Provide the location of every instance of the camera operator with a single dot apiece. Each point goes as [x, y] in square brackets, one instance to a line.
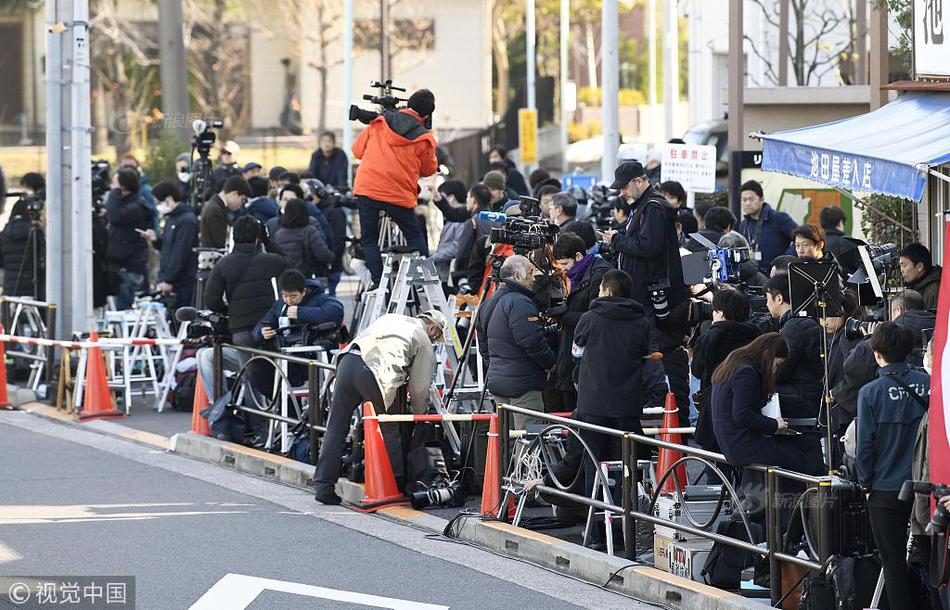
[890, 409]
[214, 214]
[240, 286]
[396, 150]
[179, 261]
[34, 184]
[129, 218]
[328, 163]
[741, 387]
[500, 198]
[719, 222]
[227, 165]
[563, 208]
[511, 337]
[545, 196]
[21, 238]
[585, 272]
[647, 243]
[729, 330]
[749, 274]
[920, 274]
[450, 198]
[183, 174]
[799, 378]
[844, 248]
[392, 352]
[907, 311]
[472, 248]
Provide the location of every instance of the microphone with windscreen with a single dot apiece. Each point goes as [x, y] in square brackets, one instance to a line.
[186, 314]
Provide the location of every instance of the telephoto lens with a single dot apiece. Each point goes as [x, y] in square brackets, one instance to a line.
[449, 495]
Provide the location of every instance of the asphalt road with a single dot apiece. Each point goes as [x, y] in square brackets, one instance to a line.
[78, 502]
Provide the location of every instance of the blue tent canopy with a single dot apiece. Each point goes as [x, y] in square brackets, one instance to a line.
[887, 151]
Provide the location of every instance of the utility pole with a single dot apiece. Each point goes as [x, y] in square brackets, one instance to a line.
[736, 102]
[69, 184]
[651, 67]
[173, 67]
[530, 33]
[609, 76]
[384, 53]
[671, 66]
[564, 49]
[347, 79]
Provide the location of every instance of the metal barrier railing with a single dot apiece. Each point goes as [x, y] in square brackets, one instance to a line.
[630, 481]
[17, 310]
[316, 372]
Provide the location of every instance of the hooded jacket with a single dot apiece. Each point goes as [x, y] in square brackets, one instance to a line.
[317, 307]
[126, 215]
[929, 287]
[711, 349]
[611, 340]
[511, 336]
[16, 253]
[179, 261]
[396, 150]
[649, 249]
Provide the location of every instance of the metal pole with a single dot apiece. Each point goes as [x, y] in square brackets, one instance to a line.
[384, 55]
[736, 84]
[564, 49]
[651, 72]
[347, 79]
[80, 297]
[879, 56]
[773, 533]
[629, 464]
[218, 373]
[173, 67]
[609, 76]
[530, 33]
[50, 351]
[861, 42]
[54, 156]
[671, 66]
[503, 449]
[314, 415]
[783, 43]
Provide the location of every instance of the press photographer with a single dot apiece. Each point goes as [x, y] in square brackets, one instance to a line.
[396, 149]
[129, 218]
[23, 250]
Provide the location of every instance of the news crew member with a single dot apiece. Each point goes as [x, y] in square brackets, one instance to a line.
[396, 149]
[889, 412]
[301, 301]
[647, 243]
[393, 351]
[179, 261]
[129, 217]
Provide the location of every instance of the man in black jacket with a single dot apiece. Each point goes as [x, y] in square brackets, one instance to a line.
[129, 218]
[842, 247]
[800, 378]
[585, 272]
[511, 337]
[920, 274]
[647, 243]
[214, 213]
[328, 163]
[245, 277]
[611, 341]
[179, 261]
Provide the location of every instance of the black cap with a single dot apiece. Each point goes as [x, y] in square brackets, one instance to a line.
[625, 172]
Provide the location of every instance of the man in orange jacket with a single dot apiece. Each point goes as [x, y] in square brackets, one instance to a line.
[396, 150]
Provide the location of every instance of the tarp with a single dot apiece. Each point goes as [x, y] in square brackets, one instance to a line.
[886, 151]
[939, 441]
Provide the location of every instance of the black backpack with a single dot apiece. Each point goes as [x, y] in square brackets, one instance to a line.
[725, 563]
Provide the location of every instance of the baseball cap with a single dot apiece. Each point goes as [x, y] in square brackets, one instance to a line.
[252, 165]
[625, 172]
[436, 317]
[232, 147]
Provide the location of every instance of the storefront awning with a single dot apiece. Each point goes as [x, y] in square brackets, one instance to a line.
[887, 151]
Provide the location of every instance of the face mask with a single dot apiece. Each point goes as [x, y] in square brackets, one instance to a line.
[164, 208]
[184, 176]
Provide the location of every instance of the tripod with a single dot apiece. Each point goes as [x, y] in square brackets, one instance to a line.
[33, 247]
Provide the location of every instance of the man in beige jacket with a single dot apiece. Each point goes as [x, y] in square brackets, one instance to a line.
[393, 351]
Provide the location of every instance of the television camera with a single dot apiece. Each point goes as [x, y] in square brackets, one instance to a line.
[101, 182]
[720, 266]
[204, 138]
[207, 326]
[386, 101]
[523, 233]
[343, 197]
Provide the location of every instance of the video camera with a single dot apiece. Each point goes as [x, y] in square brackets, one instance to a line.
[293, 333]
[523, 233]
[204, 138]
[210, 324]
[101, 181]
[385, 100]
[34, 203]
[321, 191]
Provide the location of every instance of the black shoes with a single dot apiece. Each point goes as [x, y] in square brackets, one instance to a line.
[328, 497]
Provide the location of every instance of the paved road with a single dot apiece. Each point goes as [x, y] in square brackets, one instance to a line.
[78, 502]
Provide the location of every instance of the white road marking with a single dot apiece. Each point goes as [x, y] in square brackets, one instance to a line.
[8, 554]
[20, 514]
[237, 591]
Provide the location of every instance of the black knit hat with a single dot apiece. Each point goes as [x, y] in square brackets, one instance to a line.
[423, 102]
[454, 187]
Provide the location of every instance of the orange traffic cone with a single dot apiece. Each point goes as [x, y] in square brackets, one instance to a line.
[199, 425]
[4, 399]
[380, 487]
[491, 500]
[668, 456]
[97, 402]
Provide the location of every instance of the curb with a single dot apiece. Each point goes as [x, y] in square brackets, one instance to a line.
[645, 582]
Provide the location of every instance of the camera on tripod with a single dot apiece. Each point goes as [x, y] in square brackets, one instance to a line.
[524, 233]
[207, 324]
[101, 181]
[385, 100]
[204, 138]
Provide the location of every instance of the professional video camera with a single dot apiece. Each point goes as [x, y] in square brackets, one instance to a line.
[940, 518]
[293, 333]
[342, 197]
[526, 232]
[883, 257]
[101, 181]
[207, 325]
[204, 138]
[601, 200]
[34, 203]
[385, 100]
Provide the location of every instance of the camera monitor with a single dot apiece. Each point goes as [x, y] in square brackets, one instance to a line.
[810, 282]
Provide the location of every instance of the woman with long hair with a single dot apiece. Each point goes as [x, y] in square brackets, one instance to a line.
[741, 387]
[301, 241]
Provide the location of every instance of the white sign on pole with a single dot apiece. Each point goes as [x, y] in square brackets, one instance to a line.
[692, 165]
[931, 47]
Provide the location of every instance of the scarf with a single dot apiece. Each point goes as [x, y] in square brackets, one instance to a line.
[576, 272]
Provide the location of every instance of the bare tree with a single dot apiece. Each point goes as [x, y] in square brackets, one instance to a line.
[811, 53]
[507, 22]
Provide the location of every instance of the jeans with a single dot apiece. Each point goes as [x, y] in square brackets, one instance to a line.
[333, 280]
[355, 384]
[405, 219]
[130, 283]
[889, 521]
